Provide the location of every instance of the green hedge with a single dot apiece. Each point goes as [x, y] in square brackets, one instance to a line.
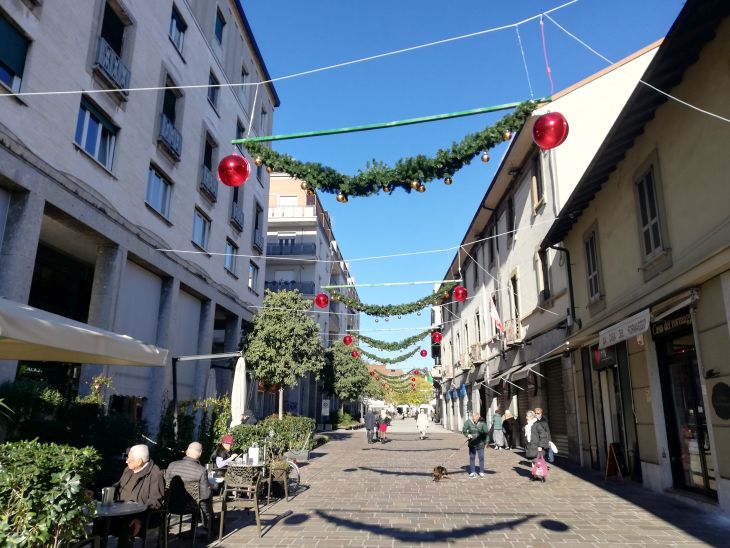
[42, 500]
[283, 435]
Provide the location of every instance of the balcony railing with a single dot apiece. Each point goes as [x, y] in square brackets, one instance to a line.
[291, 211]
[236, 216]
[208, 183]
[258, 240]
[170, 136]
[305, 288]
[111, 65]
[292, 249]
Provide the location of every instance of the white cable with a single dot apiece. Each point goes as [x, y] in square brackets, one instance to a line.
[253, 110]
[647, 84]
[524, 62]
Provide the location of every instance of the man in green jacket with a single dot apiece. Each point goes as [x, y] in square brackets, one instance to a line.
[475, 430]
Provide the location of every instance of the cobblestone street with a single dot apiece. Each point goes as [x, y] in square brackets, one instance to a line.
[382, 495]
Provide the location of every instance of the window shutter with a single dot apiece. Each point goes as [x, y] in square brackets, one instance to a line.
[13, 47]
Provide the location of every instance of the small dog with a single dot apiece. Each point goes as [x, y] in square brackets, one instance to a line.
[439, 473]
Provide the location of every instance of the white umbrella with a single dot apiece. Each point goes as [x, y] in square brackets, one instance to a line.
[238, 393]
[210, 387]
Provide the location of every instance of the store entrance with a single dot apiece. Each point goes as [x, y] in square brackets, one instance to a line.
[689, 444]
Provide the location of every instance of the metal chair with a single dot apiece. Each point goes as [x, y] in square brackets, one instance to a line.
[183, 498]
[242, 484]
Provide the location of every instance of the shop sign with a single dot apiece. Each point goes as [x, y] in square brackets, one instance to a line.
[630, 327]
[670, 325]
[325, 408]
[604, 358]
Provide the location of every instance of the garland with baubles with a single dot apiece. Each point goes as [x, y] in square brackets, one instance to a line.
[397, 359]
[393, 346]
[386, 310]
[408, 173]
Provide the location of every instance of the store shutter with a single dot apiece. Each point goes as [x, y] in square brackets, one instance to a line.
[523, 404]
[555, 411]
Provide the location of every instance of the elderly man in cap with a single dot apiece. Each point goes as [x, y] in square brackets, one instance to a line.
[190, 469]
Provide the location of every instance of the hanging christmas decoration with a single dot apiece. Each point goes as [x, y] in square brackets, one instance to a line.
[321, 300]
[377, 378]
[416, 372]
[233, 170]
[397, 359]
[415, 184]
[424, 353]
[485, 157]
[392, 346]
[372, 373]
[376, 175]
[355, 354]
[421, 188]
[347, 339]
[413, 379]
[393, 310]
[342, 198]
[550, 130]
[448, 180]
[460, 293]
[258, 161]
[436, 337]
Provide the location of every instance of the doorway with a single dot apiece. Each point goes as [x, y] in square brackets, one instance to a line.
[691, 458]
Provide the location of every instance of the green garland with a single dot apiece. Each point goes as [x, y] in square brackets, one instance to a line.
[392, 346]
[397, 359]
[384, 310]
[378, 176]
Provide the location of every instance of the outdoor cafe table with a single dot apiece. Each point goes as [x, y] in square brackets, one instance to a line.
[115, 510]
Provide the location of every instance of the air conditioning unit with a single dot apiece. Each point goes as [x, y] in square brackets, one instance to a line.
[513, 333]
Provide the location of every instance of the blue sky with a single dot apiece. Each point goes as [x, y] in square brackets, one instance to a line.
[295, 36]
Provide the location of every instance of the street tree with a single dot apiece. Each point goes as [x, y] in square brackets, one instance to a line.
[284, 344]
[348, 376]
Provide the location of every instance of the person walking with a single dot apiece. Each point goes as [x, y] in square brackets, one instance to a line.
[509, 429]
[422, 423]
[497, 433]
[370, 420]
[383, 426]
[549, 454]
[475, 430]
[537, 434]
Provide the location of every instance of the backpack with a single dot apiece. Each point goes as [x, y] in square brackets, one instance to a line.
[540, 468]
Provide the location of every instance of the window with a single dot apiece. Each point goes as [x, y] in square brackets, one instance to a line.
[201, 229]
[492, 242]
[231, 257]
[220, 24]
[264, 122]
[475, 272]
[515, 299]
[253, 276]
[478, 326]
[258, 227]
[543, 276]
[495, 329]
[159, 192]
[467, 341]
[245, 79]
[240, 134]
[592, 270]
[538, 189]
[13, 50]
[208, 153]
[177, 29]
[96, 134]
[169, 102]
[112, 29]
[213, 90]
[510, 219]
[649, 221]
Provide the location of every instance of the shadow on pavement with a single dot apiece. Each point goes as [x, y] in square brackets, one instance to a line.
[412, 536]
[395, 472]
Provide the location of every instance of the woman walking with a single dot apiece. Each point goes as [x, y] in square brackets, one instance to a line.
[497, 433]
[383, 426]
[509, 429]
[537, 435]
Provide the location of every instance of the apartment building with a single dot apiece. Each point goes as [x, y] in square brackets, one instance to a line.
[110, 210]
[504, 346]
[648, 230]
[302, 254]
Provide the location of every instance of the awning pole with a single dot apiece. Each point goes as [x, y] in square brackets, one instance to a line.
[174, 396]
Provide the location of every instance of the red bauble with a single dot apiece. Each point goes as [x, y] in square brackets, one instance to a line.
[233, 170]
[321, 300]
[424, 353]
[347, 339]
[436, 337]
[413, 379]
[413, 388]
[417, 372]
[460, 293]
[372, 373]
[550, 130]
[377, 378]
[355, 354]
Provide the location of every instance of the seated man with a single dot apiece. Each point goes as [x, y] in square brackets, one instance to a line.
[141, 481]
[248, 418]
[190, 469]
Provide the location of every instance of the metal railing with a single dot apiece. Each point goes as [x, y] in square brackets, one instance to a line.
[111, 65]
[258, 240]
[291, 249]
[208, 183]
[170, 136]
[305, 288]
[291, 211]
[236, 216]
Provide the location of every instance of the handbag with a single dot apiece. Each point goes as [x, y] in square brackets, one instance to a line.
[553, 448]
[540, 469]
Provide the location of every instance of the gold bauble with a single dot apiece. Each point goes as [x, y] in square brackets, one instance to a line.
[341, 198]
[310, 192]
[304, 186]
[269, 169]
[421, 188]
[258, 161]
[485, 157]
[415, 184]
[448, 180]
[386, 189]
[507, 135]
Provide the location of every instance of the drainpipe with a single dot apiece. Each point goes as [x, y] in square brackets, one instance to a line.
[571, 312]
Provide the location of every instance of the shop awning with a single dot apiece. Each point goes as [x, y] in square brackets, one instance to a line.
[625, 329]
[506, 374]
[27, 333]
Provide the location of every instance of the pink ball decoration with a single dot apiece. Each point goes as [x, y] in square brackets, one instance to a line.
[347, 339]
[550, 130]
[355, 353]
[436, 337]
[233, 170]
[460, 293]
[424, 353]
[321, 300]
[417, 372]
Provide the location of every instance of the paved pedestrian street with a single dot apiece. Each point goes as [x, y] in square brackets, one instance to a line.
[383, 495]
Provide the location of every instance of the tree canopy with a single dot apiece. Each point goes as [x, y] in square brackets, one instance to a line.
[346, 376]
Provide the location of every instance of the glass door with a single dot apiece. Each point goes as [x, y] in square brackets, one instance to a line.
[692, 464]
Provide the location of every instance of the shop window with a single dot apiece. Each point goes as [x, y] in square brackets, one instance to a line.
[13, 51]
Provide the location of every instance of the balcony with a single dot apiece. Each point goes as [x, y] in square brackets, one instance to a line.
[170, 136]
[258, 241]
[208, 184]
[305, 288]
[292, 212]
[237, 216]
[110, 66]
[292, 249]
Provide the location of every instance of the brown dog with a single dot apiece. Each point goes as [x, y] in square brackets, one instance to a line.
[440, 473]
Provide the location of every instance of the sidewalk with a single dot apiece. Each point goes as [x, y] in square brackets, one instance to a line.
[383, 495]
